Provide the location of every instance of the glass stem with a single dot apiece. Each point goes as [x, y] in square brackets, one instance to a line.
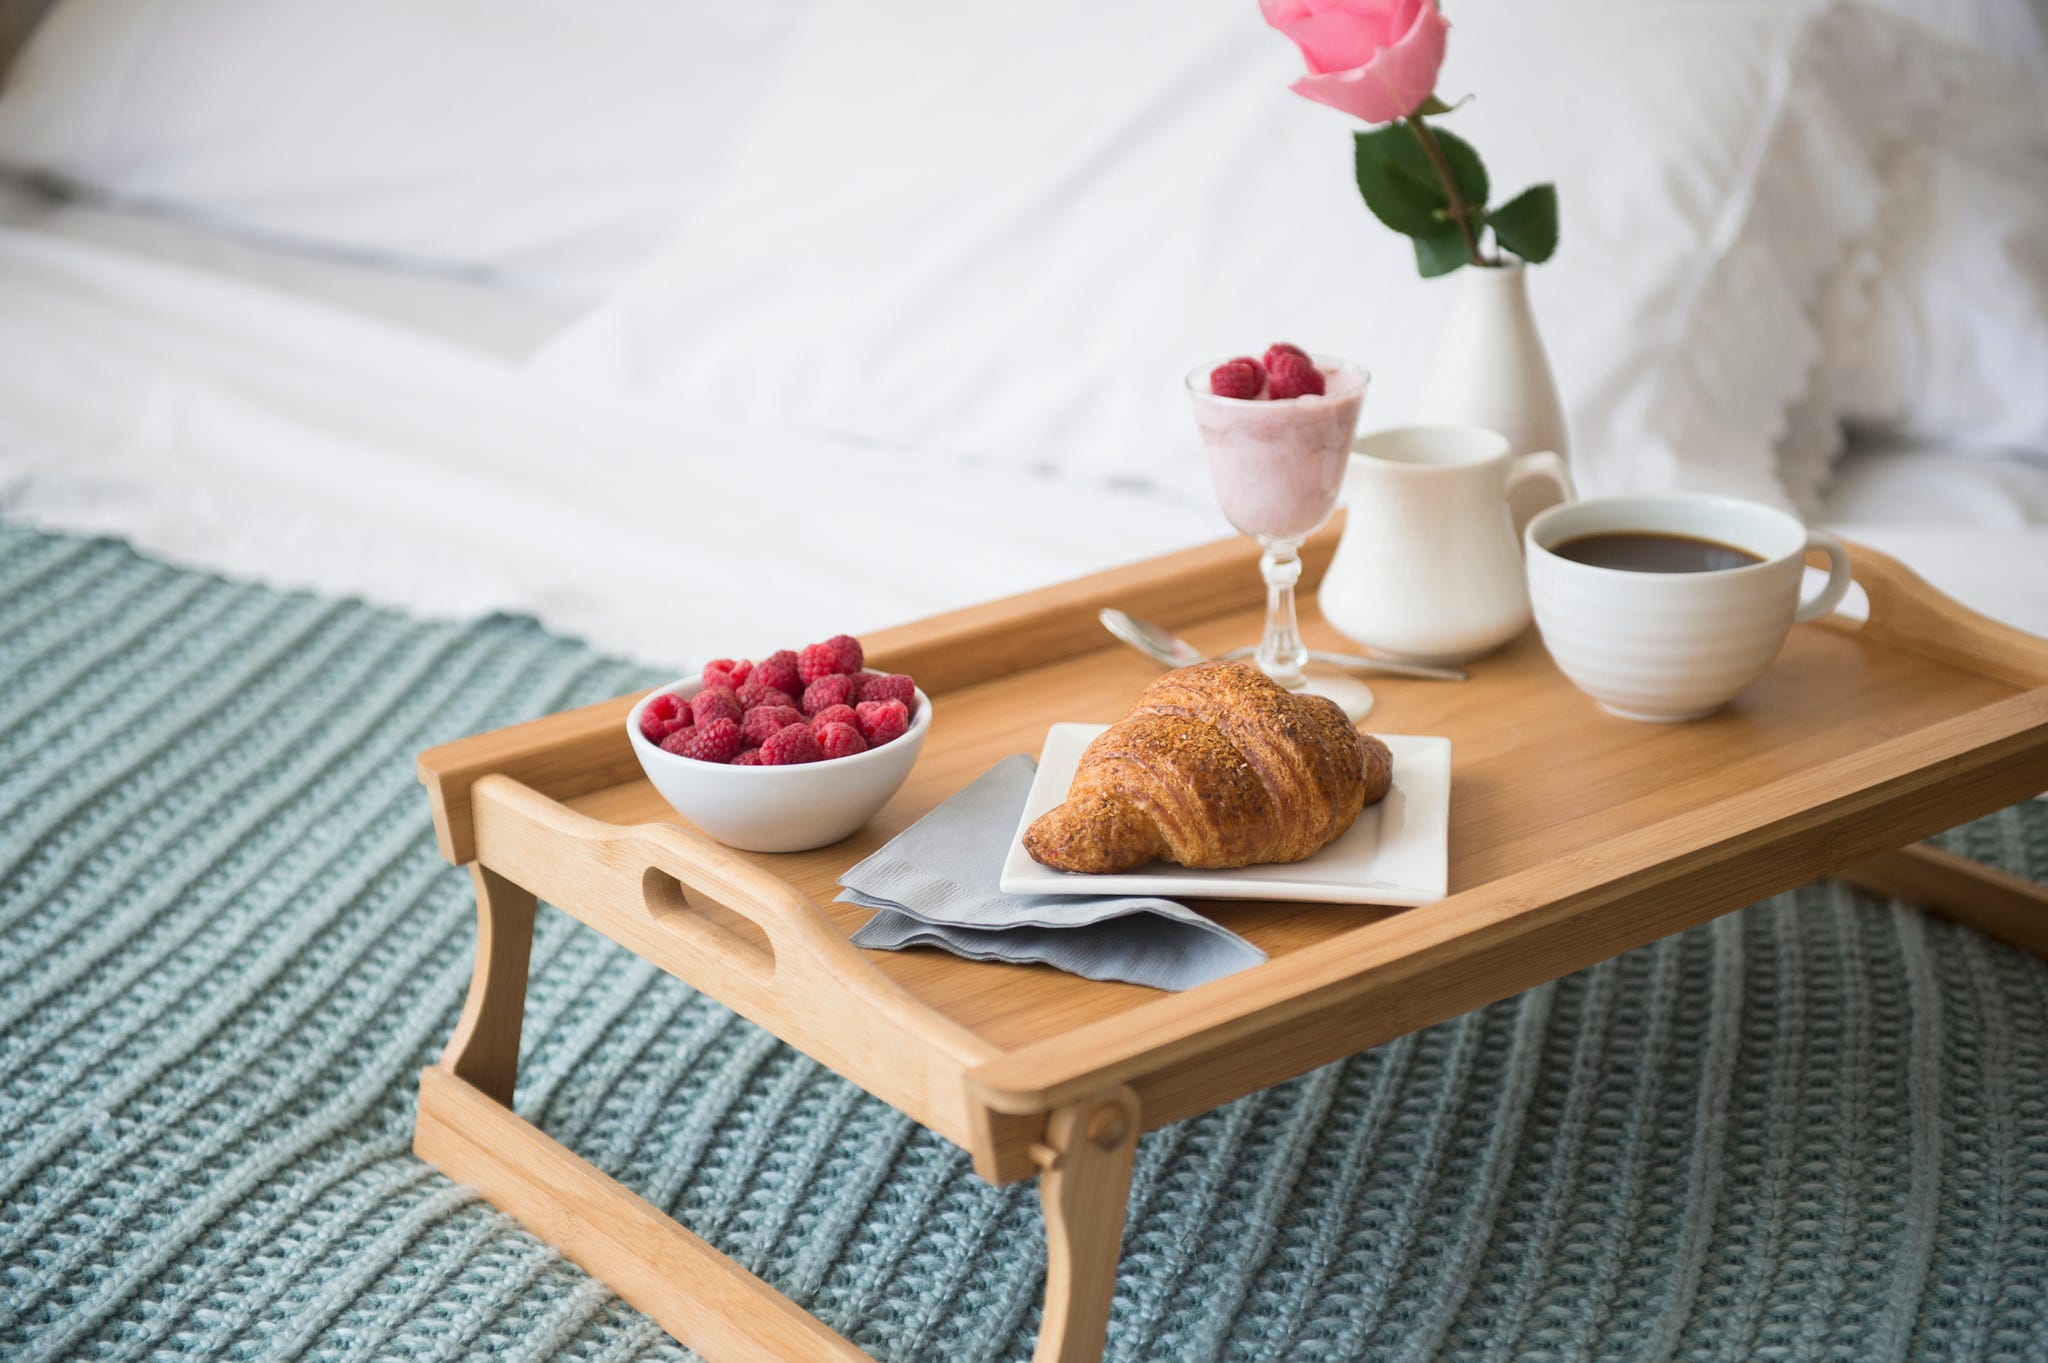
[1281, 654]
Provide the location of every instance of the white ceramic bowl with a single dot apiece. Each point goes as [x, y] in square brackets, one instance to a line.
[779, 809]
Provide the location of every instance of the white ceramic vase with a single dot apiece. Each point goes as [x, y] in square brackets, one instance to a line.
[1491, 370]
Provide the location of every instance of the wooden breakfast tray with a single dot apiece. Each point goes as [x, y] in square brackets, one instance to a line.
[1574, 837]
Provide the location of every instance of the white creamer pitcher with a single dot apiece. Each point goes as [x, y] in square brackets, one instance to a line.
[1430, 564]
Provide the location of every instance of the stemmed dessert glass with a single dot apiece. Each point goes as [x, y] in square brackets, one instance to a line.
[1278, 465]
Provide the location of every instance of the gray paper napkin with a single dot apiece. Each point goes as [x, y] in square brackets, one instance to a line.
[934, 884]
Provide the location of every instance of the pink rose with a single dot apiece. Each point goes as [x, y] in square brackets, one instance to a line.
[1374, 59]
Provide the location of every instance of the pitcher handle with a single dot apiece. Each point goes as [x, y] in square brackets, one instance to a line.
[1544, 465]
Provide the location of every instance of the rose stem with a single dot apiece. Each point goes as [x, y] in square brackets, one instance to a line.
[1461, 212]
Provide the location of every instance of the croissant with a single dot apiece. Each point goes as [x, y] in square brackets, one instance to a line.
[1213, 766]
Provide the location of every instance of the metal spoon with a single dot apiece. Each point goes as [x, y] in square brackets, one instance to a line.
[1163, 645]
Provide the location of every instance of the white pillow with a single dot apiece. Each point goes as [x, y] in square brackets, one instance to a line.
[553, 142]
[1936, 327]
[1004, 232]
[1951, 341]
[2012, 32]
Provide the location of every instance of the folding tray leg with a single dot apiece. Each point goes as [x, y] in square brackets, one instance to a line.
[1084, 1182]
[484, 1049]
[1996, 903]
[467, 1129]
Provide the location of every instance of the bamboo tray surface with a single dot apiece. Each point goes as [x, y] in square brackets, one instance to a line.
[1537, 774]
[1859, 739]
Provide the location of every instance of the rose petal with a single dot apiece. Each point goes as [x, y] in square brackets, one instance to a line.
[1393, 83]
[1335, 40]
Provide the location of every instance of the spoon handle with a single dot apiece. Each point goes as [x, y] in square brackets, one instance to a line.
[1390, 667]
[1147, 641]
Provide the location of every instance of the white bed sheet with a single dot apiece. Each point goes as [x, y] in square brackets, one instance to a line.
[471, 312]
[1972, 520]
[329, 425]
[257, 428]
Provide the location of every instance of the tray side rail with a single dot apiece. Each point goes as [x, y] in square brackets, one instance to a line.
[562, 755]
[1909, 614]
[1188, 1052]
[1031, 629]
[576, 751]
[735, 931]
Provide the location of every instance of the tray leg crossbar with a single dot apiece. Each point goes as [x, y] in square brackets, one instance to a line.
[1996, 903]
[689, 1288]
[467, 1129]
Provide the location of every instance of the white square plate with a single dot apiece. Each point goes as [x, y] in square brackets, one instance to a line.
[1396, 852]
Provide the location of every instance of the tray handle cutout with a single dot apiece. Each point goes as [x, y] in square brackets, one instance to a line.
[720, 921]
[1902, 611]
[699, 910]
[732, 939]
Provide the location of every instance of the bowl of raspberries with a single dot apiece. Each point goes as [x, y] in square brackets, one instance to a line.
[791, 752]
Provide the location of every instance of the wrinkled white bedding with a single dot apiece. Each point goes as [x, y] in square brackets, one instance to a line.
[476, 314]
[236, 424]
[1971, 519]
[343, 428]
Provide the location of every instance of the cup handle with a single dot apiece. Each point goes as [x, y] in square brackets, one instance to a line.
[1543, 465]
[1829, 596]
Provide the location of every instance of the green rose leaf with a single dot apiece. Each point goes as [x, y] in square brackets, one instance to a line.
[1432, 106]
[1401, 186]
[1402, 194]
[1527, 223]
[1441, 253]
[1466, 167]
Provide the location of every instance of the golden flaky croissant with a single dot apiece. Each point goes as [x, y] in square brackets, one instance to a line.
[1213, 766]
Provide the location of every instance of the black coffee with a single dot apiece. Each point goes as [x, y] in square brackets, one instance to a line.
[1640, 551]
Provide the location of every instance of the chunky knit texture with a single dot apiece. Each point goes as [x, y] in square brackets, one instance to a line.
[1816, 1129]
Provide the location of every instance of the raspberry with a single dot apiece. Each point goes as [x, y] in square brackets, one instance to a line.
[788, 746]
[765, 720]
[818, 660]
[827, 691]
[751, 757]
[1242, 377]
[674, 740]
[655, 730]
[757, 693]
[1295, 376]
[882, 721]
[833, 714]
[839, 740]
[716, 702]
[664, 715]
[718, 741]
[779, 670]
[846, 653]
[727, 673]
[888, 686]
[1279, 348]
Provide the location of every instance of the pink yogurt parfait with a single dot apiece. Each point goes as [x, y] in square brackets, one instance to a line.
[1278, 463]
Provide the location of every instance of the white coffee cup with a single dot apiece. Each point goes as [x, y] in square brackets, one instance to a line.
[1668, 646]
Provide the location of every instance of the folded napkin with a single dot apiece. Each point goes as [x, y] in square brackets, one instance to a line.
[934, 884]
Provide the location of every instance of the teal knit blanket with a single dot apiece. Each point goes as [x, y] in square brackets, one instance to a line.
[1816, 1129]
